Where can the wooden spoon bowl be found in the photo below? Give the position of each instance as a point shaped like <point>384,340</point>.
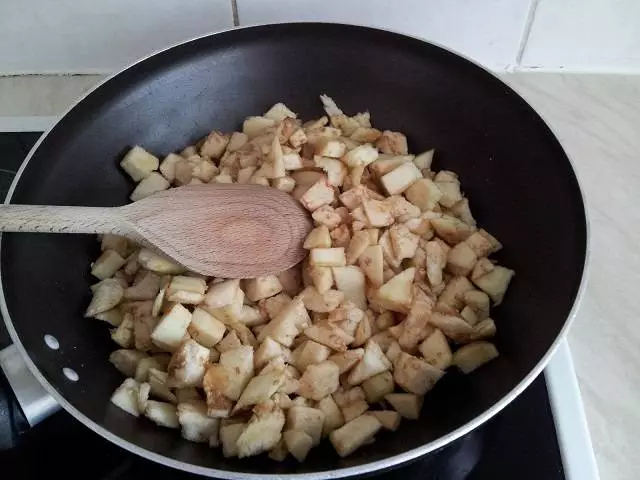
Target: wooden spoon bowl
<point>220,230</point>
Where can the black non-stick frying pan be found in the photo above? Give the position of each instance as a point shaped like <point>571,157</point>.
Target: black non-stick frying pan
<point>519,181</point>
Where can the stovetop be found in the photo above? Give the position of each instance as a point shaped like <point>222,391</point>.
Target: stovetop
<point>520,442</point>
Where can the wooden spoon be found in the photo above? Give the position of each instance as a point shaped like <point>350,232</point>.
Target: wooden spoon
<point>221,230</point>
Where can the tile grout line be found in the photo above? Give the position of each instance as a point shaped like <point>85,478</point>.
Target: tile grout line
<point>234,12</point>
<point>526,31</point>
<point>56,73</point>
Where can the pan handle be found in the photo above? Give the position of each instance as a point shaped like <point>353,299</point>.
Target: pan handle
<point>32,399</point>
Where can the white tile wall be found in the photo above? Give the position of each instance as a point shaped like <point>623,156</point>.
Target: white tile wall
<point>45,37</point>
<point>71,36</point>
<point>486,30</point>
<point>81,36</point>
<point>585,35</point>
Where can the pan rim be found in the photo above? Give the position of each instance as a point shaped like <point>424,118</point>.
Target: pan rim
<point>379,465</point>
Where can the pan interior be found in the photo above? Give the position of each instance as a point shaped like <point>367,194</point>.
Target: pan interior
<point>518,179</point>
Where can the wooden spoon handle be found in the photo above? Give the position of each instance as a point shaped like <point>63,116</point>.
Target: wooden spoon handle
<point>51,219</point>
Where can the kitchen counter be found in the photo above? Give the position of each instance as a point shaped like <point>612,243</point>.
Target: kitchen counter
<point>597,119</point>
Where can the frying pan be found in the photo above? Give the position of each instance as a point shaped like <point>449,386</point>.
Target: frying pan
<point>519,181</point>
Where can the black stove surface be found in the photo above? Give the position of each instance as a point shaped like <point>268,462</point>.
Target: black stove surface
<point>518,443</point>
